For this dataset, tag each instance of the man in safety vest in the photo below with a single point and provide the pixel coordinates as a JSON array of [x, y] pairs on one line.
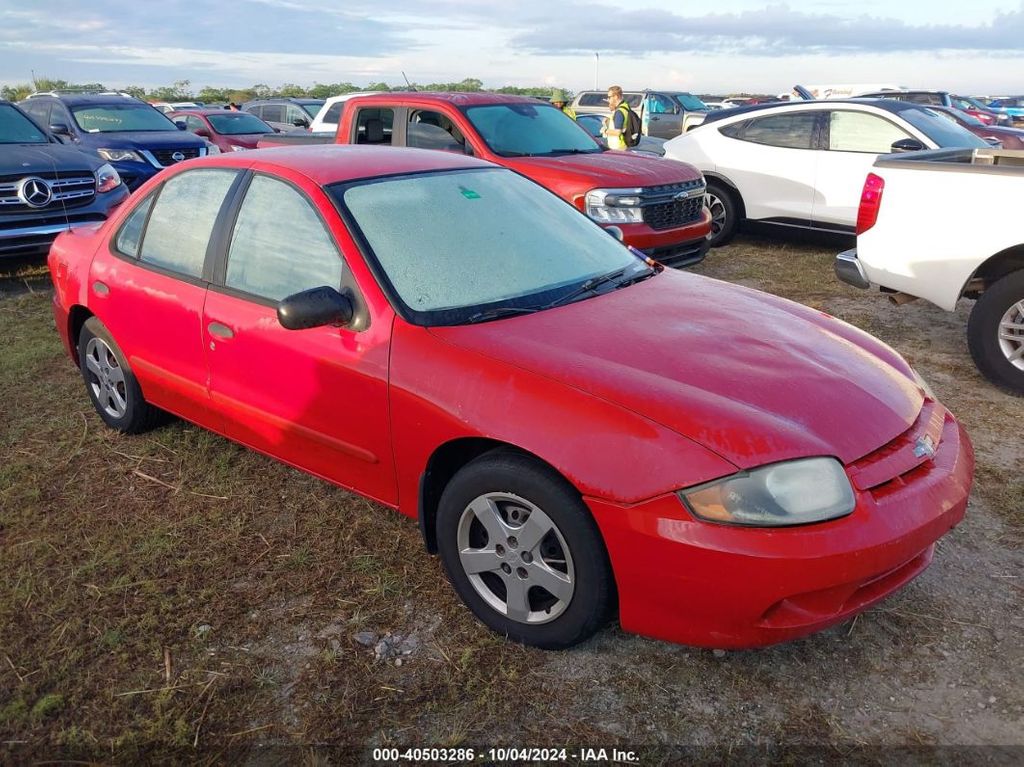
[[614, 129], [558, 99]]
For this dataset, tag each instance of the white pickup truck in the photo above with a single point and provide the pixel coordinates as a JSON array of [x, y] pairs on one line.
[[941, 225]]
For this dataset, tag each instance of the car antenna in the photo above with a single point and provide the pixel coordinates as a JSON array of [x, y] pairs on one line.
[[408, 84]]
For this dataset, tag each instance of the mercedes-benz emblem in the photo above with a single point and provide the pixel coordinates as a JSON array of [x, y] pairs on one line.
[[178, 156], [35, 192]]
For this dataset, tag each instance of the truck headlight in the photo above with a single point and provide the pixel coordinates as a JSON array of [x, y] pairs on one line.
[[107, 178], [783, 494], [614, 206], [119, 155]]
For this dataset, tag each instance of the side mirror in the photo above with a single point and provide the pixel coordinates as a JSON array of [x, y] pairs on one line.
[[181, 124], [906, 145], [314, 308], [60, 129], [203, 132], [993, 141], [615, 232], [299, 122]]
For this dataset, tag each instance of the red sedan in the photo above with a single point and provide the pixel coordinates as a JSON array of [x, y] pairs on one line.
[[579, 432], [230, 131]]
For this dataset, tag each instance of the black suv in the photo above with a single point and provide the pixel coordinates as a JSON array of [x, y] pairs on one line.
[[285, 114], [46, 187], [135, 138]]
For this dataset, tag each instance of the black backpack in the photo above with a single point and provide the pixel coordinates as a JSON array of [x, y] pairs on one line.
[[632, 130]]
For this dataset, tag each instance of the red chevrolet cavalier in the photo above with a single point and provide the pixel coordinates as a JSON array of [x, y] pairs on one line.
[[580, 433]]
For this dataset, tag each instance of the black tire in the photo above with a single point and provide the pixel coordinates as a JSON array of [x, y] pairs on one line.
[[109, 390], [592, 601], [723, 232], [983, 329]]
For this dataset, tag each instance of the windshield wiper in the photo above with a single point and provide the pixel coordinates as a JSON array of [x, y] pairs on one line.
[[586, 287], [574, 151], [501, 311]]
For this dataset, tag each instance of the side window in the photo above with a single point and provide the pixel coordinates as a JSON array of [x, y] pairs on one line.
[[862, 132], [38, 110], [273, 113], [60, 114], [594, 99], [130, 234], [374, 125], [280, 246], [295, 115], [182, 219], [257, 110], [660, 105], [734, 130], [333, 115], [789, 131], [194, 123], [432, 130], [633, 99]]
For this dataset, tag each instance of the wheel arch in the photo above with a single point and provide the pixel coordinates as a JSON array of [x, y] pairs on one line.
[[76, 319], [443, 464], [726, 181], [996, 267]]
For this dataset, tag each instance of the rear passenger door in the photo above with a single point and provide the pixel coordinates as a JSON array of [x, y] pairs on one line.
[[314, 398], [150, 287], [376, 125], [772, 160]]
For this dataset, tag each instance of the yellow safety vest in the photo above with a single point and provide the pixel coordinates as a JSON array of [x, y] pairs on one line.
[[569, 111], [619, 142]]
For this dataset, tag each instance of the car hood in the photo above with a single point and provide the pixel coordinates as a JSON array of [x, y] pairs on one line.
[[170, 139], [248, 140], [44, 158], [753, 377], [607, 169]]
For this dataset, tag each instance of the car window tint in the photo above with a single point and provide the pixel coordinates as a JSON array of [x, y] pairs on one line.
[[333, 115], [734, 130], [374, 125], [280, 246], [432, 130], [597, 99], [130, 234], [296, 115], [790, 131], [273, 113], [862, 132], [659, 104], [38, 110], [182, 220]]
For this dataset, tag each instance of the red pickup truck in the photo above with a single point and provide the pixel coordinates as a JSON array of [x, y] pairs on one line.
[[657, 204]]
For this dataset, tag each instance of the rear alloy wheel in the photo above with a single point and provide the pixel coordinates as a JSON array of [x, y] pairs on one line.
[[995, 333], [721, 203], [523, 552], [110, 383]]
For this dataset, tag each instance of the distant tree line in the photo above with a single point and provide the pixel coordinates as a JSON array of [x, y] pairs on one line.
[[182, 90]]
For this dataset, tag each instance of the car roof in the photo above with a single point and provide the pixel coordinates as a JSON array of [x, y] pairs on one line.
[[337, 163], [283, 100], [889, 105], [457, 99], [72, 99], [210, 111]]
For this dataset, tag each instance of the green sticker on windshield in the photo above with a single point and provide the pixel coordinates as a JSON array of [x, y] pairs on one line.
[[469, 194]]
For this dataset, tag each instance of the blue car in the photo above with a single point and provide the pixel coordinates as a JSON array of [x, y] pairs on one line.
[[1013, 106], [135, 138]]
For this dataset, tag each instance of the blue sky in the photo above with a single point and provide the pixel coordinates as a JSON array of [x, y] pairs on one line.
[[740, 45]]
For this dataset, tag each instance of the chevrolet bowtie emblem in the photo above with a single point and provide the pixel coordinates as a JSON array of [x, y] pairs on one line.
[[924, 447]]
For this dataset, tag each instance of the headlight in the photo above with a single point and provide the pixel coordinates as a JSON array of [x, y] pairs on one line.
[[614, 206], [783, 494], [119, 155], [923, 384], [236, 148], [107, 178]]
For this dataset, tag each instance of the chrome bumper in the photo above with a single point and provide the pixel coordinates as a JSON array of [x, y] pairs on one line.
[[849, 269]]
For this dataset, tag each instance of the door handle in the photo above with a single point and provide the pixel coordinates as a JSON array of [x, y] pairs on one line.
[[219, 330]]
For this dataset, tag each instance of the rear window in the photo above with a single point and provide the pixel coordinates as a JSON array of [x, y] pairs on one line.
[[595, 99], [787, 130]]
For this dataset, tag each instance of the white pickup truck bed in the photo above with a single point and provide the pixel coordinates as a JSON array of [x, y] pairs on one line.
[[945, 224]]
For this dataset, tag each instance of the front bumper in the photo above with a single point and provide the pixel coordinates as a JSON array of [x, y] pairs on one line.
[[31, 233], [849, 269], [697, 583], [681, 246]]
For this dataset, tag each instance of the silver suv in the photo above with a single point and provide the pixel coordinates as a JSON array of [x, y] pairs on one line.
[[663, 114]]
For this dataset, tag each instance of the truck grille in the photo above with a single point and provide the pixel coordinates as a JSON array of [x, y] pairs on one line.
[[65, 191], [672, 205], [165, 157]]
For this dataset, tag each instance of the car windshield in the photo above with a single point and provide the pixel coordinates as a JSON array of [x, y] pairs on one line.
[[458, 246], [238, 123], [691, 103], [312, 107], [527, 130], [15, 128], [114, 118], [944, 132]]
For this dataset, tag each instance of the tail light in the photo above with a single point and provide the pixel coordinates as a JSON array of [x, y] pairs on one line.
[[870, 202]]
